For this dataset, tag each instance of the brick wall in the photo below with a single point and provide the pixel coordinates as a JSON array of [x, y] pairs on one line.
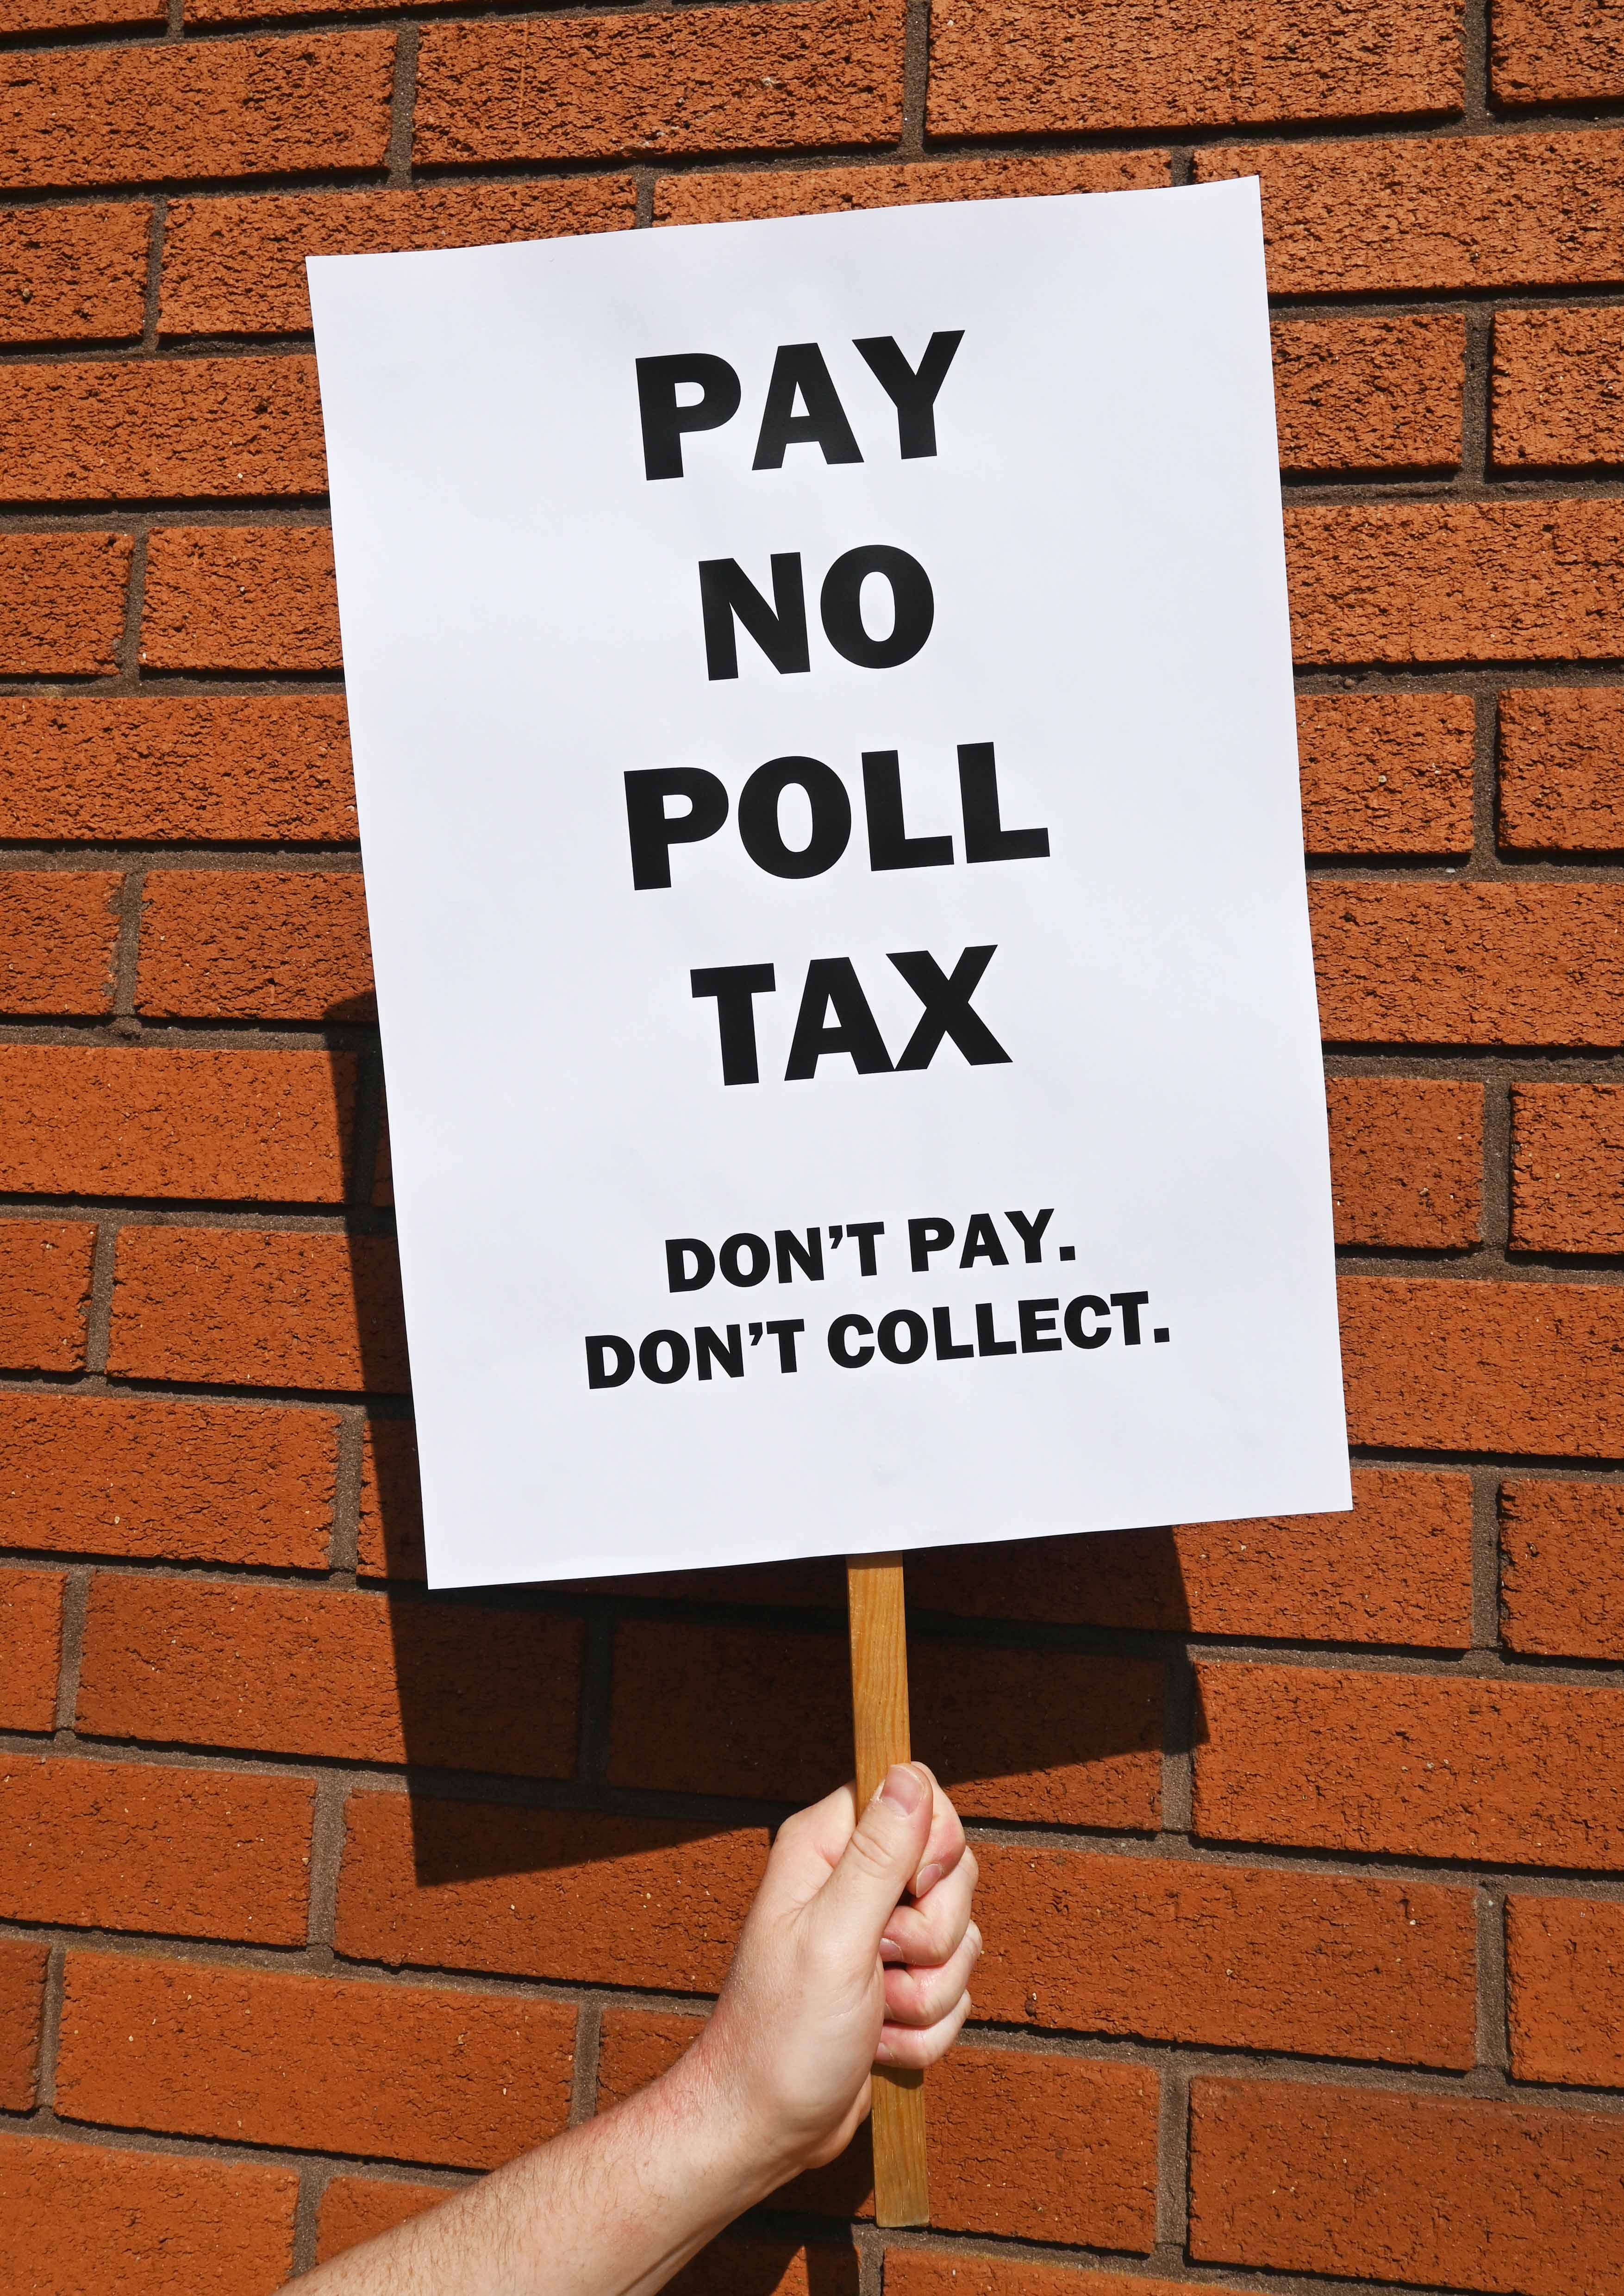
[[1304, 1843]]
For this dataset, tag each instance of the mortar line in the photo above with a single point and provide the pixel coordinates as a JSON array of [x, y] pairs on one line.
[[327, 1831], [76, 1602], [1172, 2167], [126, 956], [596, 1699], [1476, 45], [1486, 1558], [1477, 401], [50, 2029], [403, 105], [584, 2075], [1499, 1183], [345, 1536], [366, 1135], [98, 1320], [152, 296], [314, 2178], [1177, 1742], [915, 78], [1493, 2037]]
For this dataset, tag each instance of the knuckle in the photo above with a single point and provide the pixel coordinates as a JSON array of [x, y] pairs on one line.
[[868, 1854]]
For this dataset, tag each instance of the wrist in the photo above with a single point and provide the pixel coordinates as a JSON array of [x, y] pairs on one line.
[[747, 2136]]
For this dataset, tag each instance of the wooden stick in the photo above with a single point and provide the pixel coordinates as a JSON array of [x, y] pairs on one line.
[[879, 1724]]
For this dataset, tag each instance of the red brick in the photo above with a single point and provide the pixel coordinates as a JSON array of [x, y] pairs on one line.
[[1562, 770], [1037, 68], [1564, 1968], [718, 79], [182, 1851], [1562, 1568], [61, 602], [1385, 772], [1448, 582], [214, 107], [1227, 1957], [1469, 964], [229, 944], [1545, 52], [236, 267], [408, 2072], [176, 2226], [764, 2264], [1033, 1738], [59, 930], [1450, 212], [218, 768], [544, 1893], [355, 2209], [1369, 394], [928, 2272], [1558, 387], [76, 15], [637, 2046], [22, 2000], [1513, 1773], [1021, 2143], [247, 1307], [1451, 1366], [1041, 2147], [1567, 1167], [96, 1120], [699, 198], [331, 1671], [198, 1482], [240, 597], [1396, 1569], [102, 431], [45, 1293], [1407, 1161], [76, 272], [1364, 2184], [31, 1636]]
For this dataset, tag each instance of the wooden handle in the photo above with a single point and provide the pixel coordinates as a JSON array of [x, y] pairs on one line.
[[880, 1726]]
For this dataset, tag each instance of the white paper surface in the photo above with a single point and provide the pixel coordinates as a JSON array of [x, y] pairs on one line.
[[1100, 528]]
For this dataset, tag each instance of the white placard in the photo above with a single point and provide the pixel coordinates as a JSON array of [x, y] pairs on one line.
[[830, 809]]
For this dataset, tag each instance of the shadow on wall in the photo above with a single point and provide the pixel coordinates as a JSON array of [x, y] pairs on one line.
[[674, 1709]]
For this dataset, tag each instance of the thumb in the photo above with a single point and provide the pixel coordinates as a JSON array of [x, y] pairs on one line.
[[877, 1864]]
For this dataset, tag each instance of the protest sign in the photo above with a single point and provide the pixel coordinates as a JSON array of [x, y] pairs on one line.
[[821, 712], [823, 720]]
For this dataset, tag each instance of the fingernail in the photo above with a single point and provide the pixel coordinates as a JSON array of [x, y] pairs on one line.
[[904, 1788], [882, 2055], [924, 1880], [889, 1944]]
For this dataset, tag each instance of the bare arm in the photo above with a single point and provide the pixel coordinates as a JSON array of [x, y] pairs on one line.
[[832, 1973]]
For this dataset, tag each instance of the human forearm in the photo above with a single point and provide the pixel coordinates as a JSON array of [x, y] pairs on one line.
[[858, 1949], [613, 2208]]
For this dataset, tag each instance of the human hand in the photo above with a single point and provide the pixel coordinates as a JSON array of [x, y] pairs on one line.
[[834, 1972]]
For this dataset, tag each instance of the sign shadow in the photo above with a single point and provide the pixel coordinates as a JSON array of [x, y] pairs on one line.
[[579, 1726]]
